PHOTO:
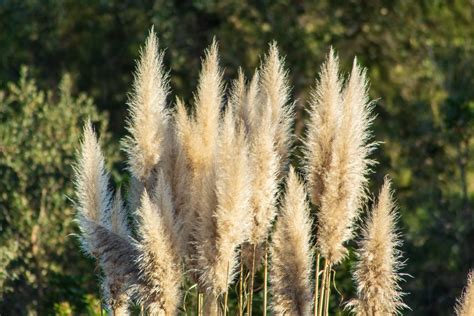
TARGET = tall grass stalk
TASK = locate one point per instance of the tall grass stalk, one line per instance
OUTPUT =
(327, 293)
(322, 289)
(316, 285)
(265, 278)
(241, 286)
(252, 279)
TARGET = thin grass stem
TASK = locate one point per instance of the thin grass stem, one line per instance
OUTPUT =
(321, 296)
(328, 291)
(200, 301)
(241, 287)
(316, 285)
(265, 277)
(252, 279)
(226, 295)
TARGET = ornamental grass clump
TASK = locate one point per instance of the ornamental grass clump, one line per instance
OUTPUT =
(213, 197)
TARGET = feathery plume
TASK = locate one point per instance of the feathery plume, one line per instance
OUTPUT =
(237, 99)
(254, 108)
(182, 177)
(117, 221)
(159, 278)
(229, 224)
(291, 253)
(379, 261)
(265, 168)
(324, 117)
(119, 273)
(245, 102)
(197, 141)
(337, 149)
(103, 224)
(148, 124)
(275, 93)
(91, 183)
(465, 305)
(208, 106)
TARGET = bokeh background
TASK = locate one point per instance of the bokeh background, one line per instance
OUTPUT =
(64, 61)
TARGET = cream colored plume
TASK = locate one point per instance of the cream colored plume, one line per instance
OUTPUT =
(148, 139)
(257, 120)
(94, 198)
(264, 165)
(183, 177)
(228, 225)
(237, 100)
(159, 277)
(275, 95)
(116, 220)
(245, 100)
(208, 106)
(103, 224)
(465, 305)
(379, 261)
(291, 255)
(196, 141)
(324, 120)
(337, 149)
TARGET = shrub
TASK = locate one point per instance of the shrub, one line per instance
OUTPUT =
(39, 131)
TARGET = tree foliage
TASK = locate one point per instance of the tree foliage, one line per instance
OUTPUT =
(39, 132)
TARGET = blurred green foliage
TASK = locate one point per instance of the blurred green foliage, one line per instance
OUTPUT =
(420, 60)
(40, 260)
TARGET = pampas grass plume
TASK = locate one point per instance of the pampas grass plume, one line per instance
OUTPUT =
(231, 217)
(103, 223)
(379, 261)
(159, 279)
(148, 124)
(337, 149)
(275, 93)
(291, 254)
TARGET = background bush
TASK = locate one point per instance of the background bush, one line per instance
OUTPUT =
(40, 264)
(420, 58)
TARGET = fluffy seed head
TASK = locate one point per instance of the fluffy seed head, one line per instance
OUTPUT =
(275, 95)
(324, 119)
(208, 105)
(264, 164)
(91, 182)
(237, 100)
(230, 218)
(159, 276)
(291, 253)
(103, 225)
(148, 114)
(198, 138)
(379, 261)
(465, 305)
(337, 149)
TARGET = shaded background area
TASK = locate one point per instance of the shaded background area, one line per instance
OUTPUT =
(80, 58)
